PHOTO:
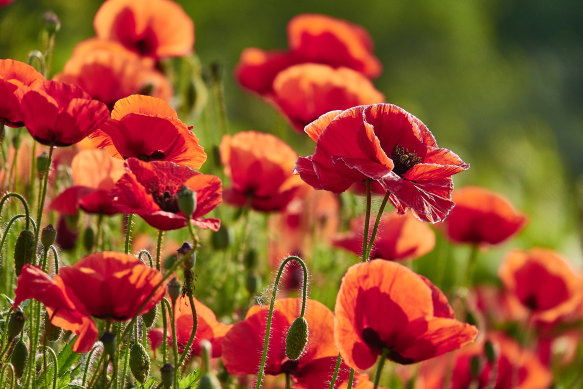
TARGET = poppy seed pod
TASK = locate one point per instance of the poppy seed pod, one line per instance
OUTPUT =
(186, 201)
(52, 22)
(42, 163)
(23, 250)
(48, 236)
(19, 358)
(167, 375)
(150, 317)
(174, 290)
(297, 338)
(222, 239)
(139, 362)
(89, 239)
(15, 324)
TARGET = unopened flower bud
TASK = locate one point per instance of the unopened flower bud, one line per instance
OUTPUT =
(48, 236)
(490, 351)
(297, 338)
(52, 332)
(89, 239)
(42, 163)
(23, 250)
(150, 317)
(167, 375)
(52, 22)
(109, 343)
(186, 201)
(221, 239)
(185, 248)
(475, 366)
(15, 324)
(19, 358)
(250, 259)
(139, 362)
(174, 289)
(252, 283)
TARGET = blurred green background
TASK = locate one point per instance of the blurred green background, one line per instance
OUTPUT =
(499, 82)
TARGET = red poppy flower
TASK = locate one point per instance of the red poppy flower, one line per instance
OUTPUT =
(243, 345)
(260, 167)
(150, 190)
(400, 237)
(4, 3)
(152, 28)
(155, 337)
(388, 145)
(382, 304)
(543, 281)
(482, 217)
(60, 114)
(109, 72)
(107, 285)
(514, 368)
(208, 327)
(13, 75)
(94, 174)
(148, 128)
(305, 92)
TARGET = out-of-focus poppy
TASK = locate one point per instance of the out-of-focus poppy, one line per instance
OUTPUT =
(383, 305)
(59, 114)
(543, 282)
(4, 3)
(243, 345)
(304, 92)
(400, 237)
(514, 368)
(155, 337)
(208, 327)
(94, 174)
(260, 167)
(150, 190)
(148, 128)
(385, 144)
(304, 221)
(312, 39)
(13, 75)
(107, 285)
(152, 28)
(482, 217)
(109, 72)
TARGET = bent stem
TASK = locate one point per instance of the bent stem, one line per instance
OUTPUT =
(192, 332)
(366, 256)
(41, 200)
(271, 305)
(24, 204)
(380, 365)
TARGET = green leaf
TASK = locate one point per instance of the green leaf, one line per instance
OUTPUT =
(190, 380)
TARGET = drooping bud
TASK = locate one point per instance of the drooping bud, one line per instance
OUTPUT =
(475, 366)
(167, 375)
(23, 250)
(297, 338)
(250, 259)
(15, 324)
(48, 236)
(186, 201)
(52, 22)
(139, 362)
(109, 343)
(221, 239)
(42, 163)
(52, 332)
(150, 317)
(490, 352)
(19, 358)
(89, 239)
(185, 248)
(174, 290)
(252, 283)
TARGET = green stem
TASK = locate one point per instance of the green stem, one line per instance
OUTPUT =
(335, 376)
(7, 366)
(147, 254)
(43, 194)
(471, 265)
(366, 219)
(159, 248)
(287, 382)
(174, 345)
(55, 365)
(125, 364)
(165, 329)
(7, 229)
(96, 246)
(272, 303)
(54, 250)
(89, 356)
(366, 257)
(380, 365)
(192, 332)
(128, 232)
(13, 168)
(350, 379)
(98, 370)
(24, 204)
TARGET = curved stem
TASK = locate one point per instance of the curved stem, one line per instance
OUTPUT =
(7, 366)
(380, 365)
(335, 376)
(128, 232)
(272, 303)
(366, 257)
(192, 332)
(56, 255)
(24, 204)
(87, 365)
(147, 253)
(366, 219)
(55, 365)
(43, 194)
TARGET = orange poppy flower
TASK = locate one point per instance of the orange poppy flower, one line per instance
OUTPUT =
(150, 190)
(543, 282)
(384, 305)
(482, 217)
(304, 92)
(385, 144)
(400, 237)
(109, 72)
(208, 327)
(514, 368)
(94, 174)
(59, 114)
(243, 345)
(151, 28)
(13, 75)
(260, 167)
(107, 285)
(148, 128)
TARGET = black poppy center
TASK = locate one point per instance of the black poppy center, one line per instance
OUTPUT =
(373, 340)
(155, 156)
(289, 366)
(531, 302)
(403, 159)
(167, 201)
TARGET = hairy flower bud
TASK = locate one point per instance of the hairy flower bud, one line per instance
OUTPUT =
(221, 239)
(297, 338)
(167, 375)
(186, 201)
(139, 362)
(19, 358)
(89, 239)
(149, 317)
(42, 163)
(48, 236)
(23, 250)
(15, 324)
(52, 332)
(174, 289)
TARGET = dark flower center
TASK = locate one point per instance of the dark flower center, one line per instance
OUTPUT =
(166, 201)
(403, 159)
(531, 302)
(289, 366)
(373, 340)
(155, 156)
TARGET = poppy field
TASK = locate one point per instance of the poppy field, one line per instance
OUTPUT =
(269, 201)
